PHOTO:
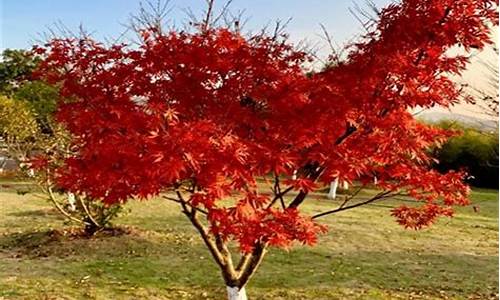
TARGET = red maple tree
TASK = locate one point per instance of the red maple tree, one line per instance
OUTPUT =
(200, 114)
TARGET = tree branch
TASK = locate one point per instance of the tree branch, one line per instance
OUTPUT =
(379, 196)
(277, 191)
(313, 174)
(350, 197)
(252, 263)
(208, 14)
(87, 212)
(52, 198)
(277, 196)
(217, 248)
(187, 203)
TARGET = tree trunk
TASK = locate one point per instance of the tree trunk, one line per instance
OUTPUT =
(90, 227)
(236, 293)
(333, 189)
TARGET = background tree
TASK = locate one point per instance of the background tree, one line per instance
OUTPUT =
(201, 113)
(18, 128)
(27, 130)
(487, 98)
(16, 82)
(474, 151)
(16, 67)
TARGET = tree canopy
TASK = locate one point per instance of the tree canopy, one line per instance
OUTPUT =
(203, 112)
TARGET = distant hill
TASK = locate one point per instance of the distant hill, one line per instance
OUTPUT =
(481, 124)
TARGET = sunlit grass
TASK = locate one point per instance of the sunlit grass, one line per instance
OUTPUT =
(365, 255)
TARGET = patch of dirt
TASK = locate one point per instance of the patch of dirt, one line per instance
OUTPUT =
(56, 242)
(35, 213)
(73, 233)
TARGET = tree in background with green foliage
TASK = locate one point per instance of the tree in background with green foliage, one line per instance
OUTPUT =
(18, 129)
(473, 150)
(15, 69)
(26, 129)
(16, 82)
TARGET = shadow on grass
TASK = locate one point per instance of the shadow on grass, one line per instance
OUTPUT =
(164, 261)
(71, 242)
(20, 189)
(35, 213)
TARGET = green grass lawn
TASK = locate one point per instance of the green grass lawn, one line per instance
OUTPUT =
(365, 255)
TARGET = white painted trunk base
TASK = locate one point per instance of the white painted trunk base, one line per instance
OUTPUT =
(72, 201)
(333, 189)
(345, 185)
(235, 293)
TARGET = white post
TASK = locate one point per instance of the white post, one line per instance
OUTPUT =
(72, 201)
(333, 189)
(294, 176)
(345, 185)
(235, 293)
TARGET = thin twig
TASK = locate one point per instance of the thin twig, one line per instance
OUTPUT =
(277, 196)
(379, 196)
(187, 203)
(350, 197)
(224, 10)
(208, 14)
(87, 212)
(277, 191)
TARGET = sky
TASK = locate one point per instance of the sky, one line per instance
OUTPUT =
(23, 22)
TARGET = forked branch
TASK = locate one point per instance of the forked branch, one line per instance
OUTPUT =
(215, 244)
